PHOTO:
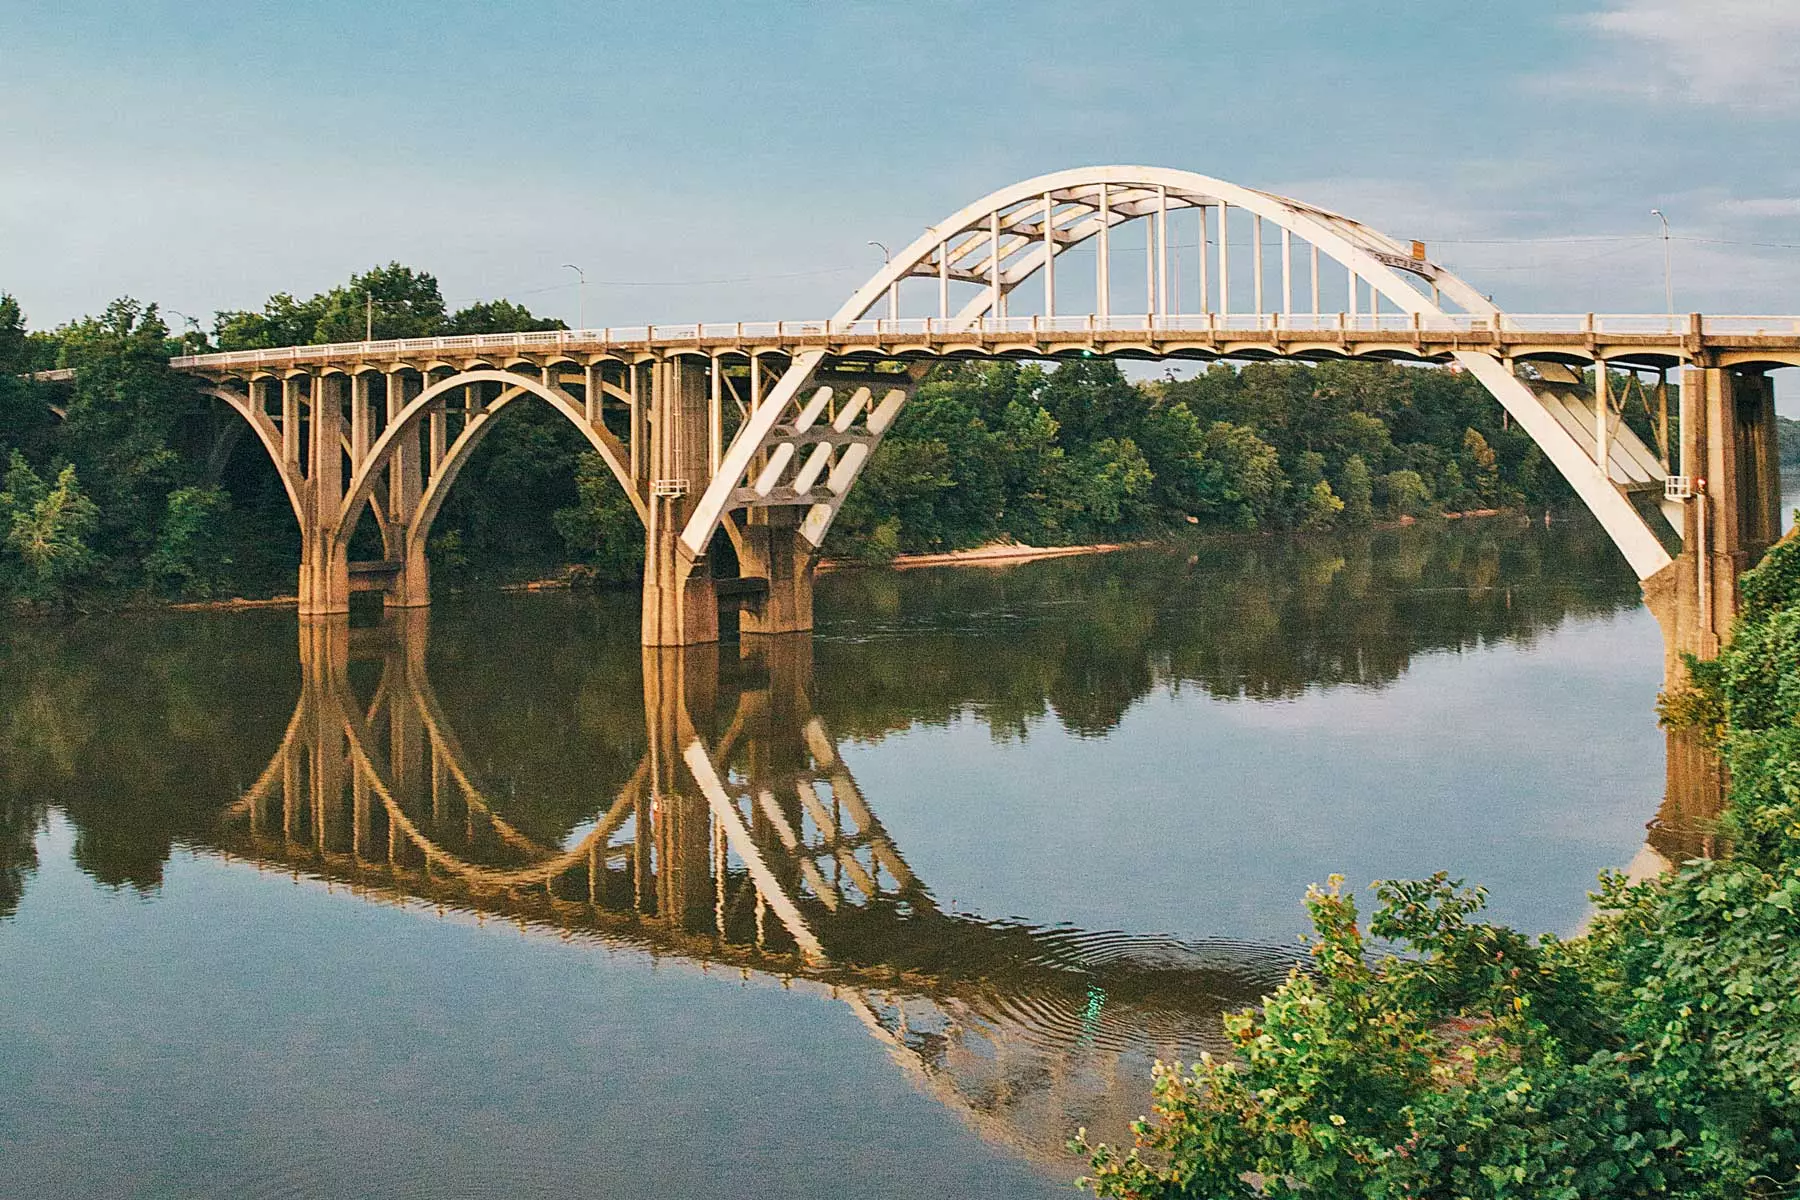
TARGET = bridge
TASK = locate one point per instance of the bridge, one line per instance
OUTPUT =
(756, 432)
(741, 842)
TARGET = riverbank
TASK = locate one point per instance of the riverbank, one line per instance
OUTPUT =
(994, 554)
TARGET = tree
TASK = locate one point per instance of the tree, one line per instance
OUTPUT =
(1407, 494)
(601, 528)
(1320, 509)
(47, 528)
(191, 555)
(391, 301)
(121, 431)
(1480, 467)
(1358, 491)
(25, 418)
(498, 316)
(1108, 486)
(1244, 483)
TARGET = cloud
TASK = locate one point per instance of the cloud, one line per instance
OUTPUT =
(1761, 207)
(1737, 54)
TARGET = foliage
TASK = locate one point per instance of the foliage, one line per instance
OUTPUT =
(1077, 452)
(1657, 1055)
(600, 526)
(174, 516)
(1002, 451)
(47, 527)
(192, 556)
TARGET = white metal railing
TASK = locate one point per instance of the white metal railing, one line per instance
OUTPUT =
(1210, 325)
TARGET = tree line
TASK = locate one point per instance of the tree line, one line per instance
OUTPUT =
(114, 488)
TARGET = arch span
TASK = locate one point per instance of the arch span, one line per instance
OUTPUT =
(976, 259)
(408, 421)
(270, 437)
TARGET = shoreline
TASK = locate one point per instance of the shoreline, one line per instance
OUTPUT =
(993, 554)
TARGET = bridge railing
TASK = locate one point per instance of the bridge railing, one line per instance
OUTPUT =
(1209, 325)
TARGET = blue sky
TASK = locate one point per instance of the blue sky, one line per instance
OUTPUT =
(731, 161)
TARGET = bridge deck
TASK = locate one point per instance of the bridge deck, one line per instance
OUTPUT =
(1648, 339)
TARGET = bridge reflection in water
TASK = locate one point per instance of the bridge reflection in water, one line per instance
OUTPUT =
(741, 839)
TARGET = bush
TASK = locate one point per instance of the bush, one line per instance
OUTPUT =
(1657, 1056)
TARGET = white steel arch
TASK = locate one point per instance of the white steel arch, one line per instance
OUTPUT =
(1019, 232)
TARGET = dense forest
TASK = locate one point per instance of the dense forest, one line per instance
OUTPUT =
(114, 489)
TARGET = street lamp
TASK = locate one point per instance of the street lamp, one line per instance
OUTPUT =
(580, 294)
(194, 324)
(893, 292)
(1668, 263)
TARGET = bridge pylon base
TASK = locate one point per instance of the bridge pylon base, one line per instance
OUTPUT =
(771, 548)
(681, 601)
(411, 587)
(324, 589)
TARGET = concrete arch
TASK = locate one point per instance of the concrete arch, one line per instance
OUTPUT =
(1026, 227)
(265, 431)
(407, 422)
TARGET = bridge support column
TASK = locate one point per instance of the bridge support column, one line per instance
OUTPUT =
(681, 602)
(324, 561)
(411, 587)
(773, 549)
(1729, 454)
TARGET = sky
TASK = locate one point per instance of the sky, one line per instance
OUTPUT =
(733, 161)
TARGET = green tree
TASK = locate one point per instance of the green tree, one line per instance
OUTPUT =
(601, 528)
(1357, 488)
(1244, 484)
(1320, 509)
(25, 417)
(498, 316)
(1406, 494)
(47, 527)
(192, 555)
(1110, 483)
(1480, 467)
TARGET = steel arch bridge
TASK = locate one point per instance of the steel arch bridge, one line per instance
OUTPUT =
(759, 431)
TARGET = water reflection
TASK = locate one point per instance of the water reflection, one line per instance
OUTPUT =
(1254, 619)
(523, 759)
(741, 839)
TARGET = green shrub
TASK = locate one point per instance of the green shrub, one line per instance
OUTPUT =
(1657, 1056)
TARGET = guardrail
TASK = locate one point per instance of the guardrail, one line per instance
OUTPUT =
(1209, 324)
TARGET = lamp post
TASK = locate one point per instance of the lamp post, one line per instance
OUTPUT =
(893, 292)
(580, 294)
(368, 315)
(1668, 263)
(192, 324)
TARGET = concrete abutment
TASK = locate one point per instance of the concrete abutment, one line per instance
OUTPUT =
(1732, 513)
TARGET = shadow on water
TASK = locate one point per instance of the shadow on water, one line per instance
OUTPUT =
(522, 758)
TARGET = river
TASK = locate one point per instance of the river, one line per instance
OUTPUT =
(488, 902)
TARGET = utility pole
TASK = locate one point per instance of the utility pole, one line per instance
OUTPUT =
(1668, 263)
(580, 295)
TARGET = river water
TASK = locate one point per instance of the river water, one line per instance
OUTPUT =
(488, 902)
